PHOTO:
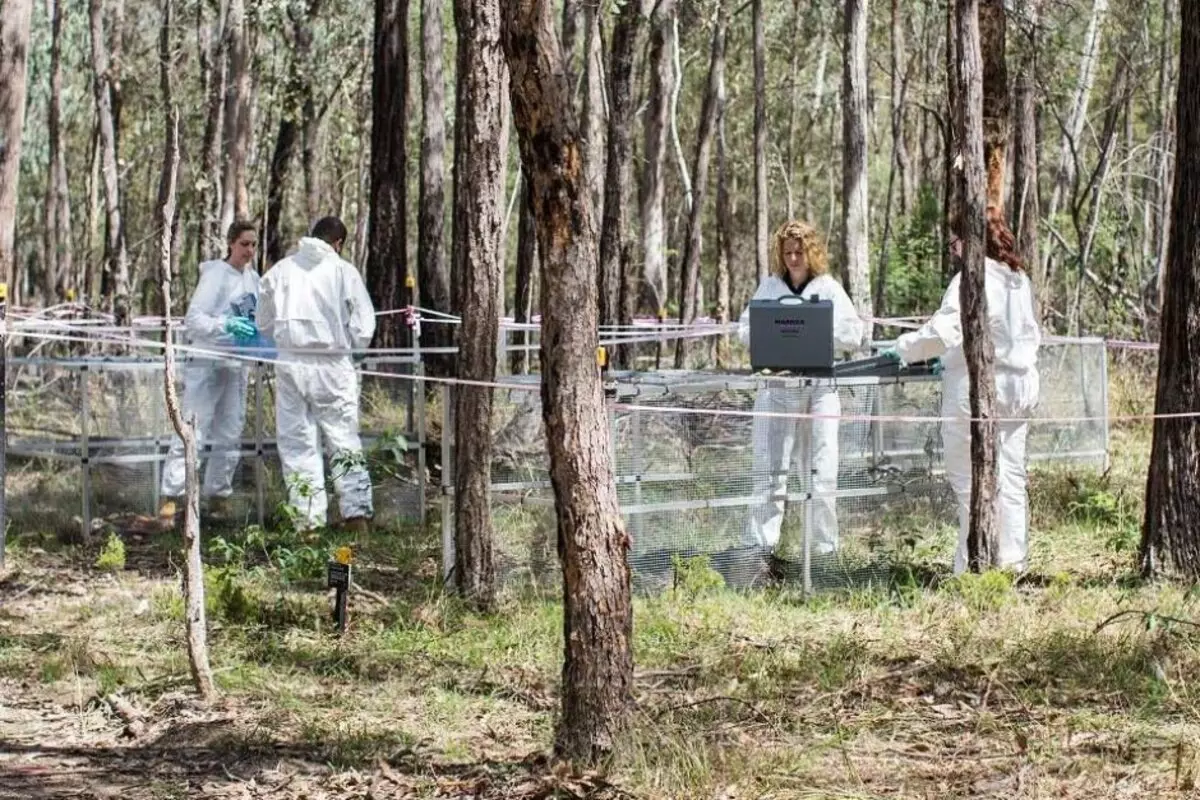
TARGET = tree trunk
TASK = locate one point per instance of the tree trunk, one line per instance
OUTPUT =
(115, 281)
(213, 73)
(59, 270)
(387, 229)
(235, 200)
(1171, 533)
(1064, 179)
(855, 241)
(793, 88)
(978, 348)
(193, 575)
(15, 17)
(690, 274)
(615, 232)
(1165, 163)
(478, 193)
(724, 227)
(594, 123)
(597, 612)
(523, 291)
(433, 270)
(898, 90)
(996, 110)
(1026, 209)
(657, 122)
(168, 179)
(762, 229)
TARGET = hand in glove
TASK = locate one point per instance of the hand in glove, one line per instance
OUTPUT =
(240, 328)
(935, 366)
(889, 354)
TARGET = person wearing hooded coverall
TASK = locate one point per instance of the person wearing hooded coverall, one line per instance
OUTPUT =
(317, 307)
(215, 388)
(800, 266)
(1016, 337)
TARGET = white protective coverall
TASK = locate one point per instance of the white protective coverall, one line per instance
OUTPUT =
(317, 308)
(779, 442)
(214, 389)
(1017, 337)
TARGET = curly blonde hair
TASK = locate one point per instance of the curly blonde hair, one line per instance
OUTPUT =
(815, 254)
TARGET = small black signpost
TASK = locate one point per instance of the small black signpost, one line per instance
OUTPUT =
(338, 577)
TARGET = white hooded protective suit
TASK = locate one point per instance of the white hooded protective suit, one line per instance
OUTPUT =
(214, 388)
(779, 443)
(317, 309)
(1017, 337)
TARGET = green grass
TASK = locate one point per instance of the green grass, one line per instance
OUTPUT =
(913, 687)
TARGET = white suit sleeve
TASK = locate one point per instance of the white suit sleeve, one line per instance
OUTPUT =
(847, 324)
(942, 332)
(360, 323)
(204, 319)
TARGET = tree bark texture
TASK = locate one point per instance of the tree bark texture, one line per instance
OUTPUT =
(724, 227)
(116, 263)
(1026, 205)
(978, 348)
(594, 104)
(996, 105)
(211, 45)
(433, 269)
(656, 124)
(387, 247)
(762, 224)
(15, 17)
(1171, 532)
(690, 273)
(58, 274)
(592, 543)
(478, 212)
(855, 243)
(235, 200)
(169, 176)
(618, 185)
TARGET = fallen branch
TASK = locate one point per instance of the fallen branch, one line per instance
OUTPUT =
(716, 699)
(1144, 615)
(135, 725)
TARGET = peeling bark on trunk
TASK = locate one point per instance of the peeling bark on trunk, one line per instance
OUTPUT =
(597, 612)
(235, 200)
(210, 43)
(1171, 533)
(594, 111)
(996, 110)
(387, 230)
(724, 227)
(690, 273)
(169, 175)
(978, 348)
(478, 194)
(15, 18)
(1026, 208)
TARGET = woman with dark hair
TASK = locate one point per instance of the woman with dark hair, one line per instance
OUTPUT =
(1016, 337)
(214, 388)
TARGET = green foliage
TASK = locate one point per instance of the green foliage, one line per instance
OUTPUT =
(112, 555)
(695, 576)
(987, 591)
(914, 265)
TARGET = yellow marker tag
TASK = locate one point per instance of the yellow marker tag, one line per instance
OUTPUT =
(70, 295)
(601, 357)
(662, 313)
(3, 291)
(343, 555)
(409, 281)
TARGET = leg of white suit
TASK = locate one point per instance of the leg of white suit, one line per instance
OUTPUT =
(229, 417)
(335, 407)
(200, 393)
(775, 439)
(823, 445)
(1013, 496)
(299, 444)
(956, 444)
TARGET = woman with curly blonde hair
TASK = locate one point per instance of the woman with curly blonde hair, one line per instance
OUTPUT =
(800, 266)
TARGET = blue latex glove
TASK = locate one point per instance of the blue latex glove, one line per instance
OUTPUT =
(935, 366)
(241, 329)
(890, 354)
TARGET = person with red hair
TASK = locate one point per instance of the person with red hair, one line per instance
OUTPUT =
(1016, 337)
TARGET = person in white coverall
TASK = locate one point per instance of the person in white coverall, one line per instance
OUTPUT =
(215, 388)
(317, 307)
(800, 266)
(1016, 337)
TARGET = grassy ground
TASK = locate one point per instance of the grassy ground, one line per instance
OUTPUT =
(1075, 681)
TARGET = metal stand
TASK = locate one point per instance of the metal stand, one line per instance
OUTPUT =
(259, 455)
(447, 482)
(85, 413)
